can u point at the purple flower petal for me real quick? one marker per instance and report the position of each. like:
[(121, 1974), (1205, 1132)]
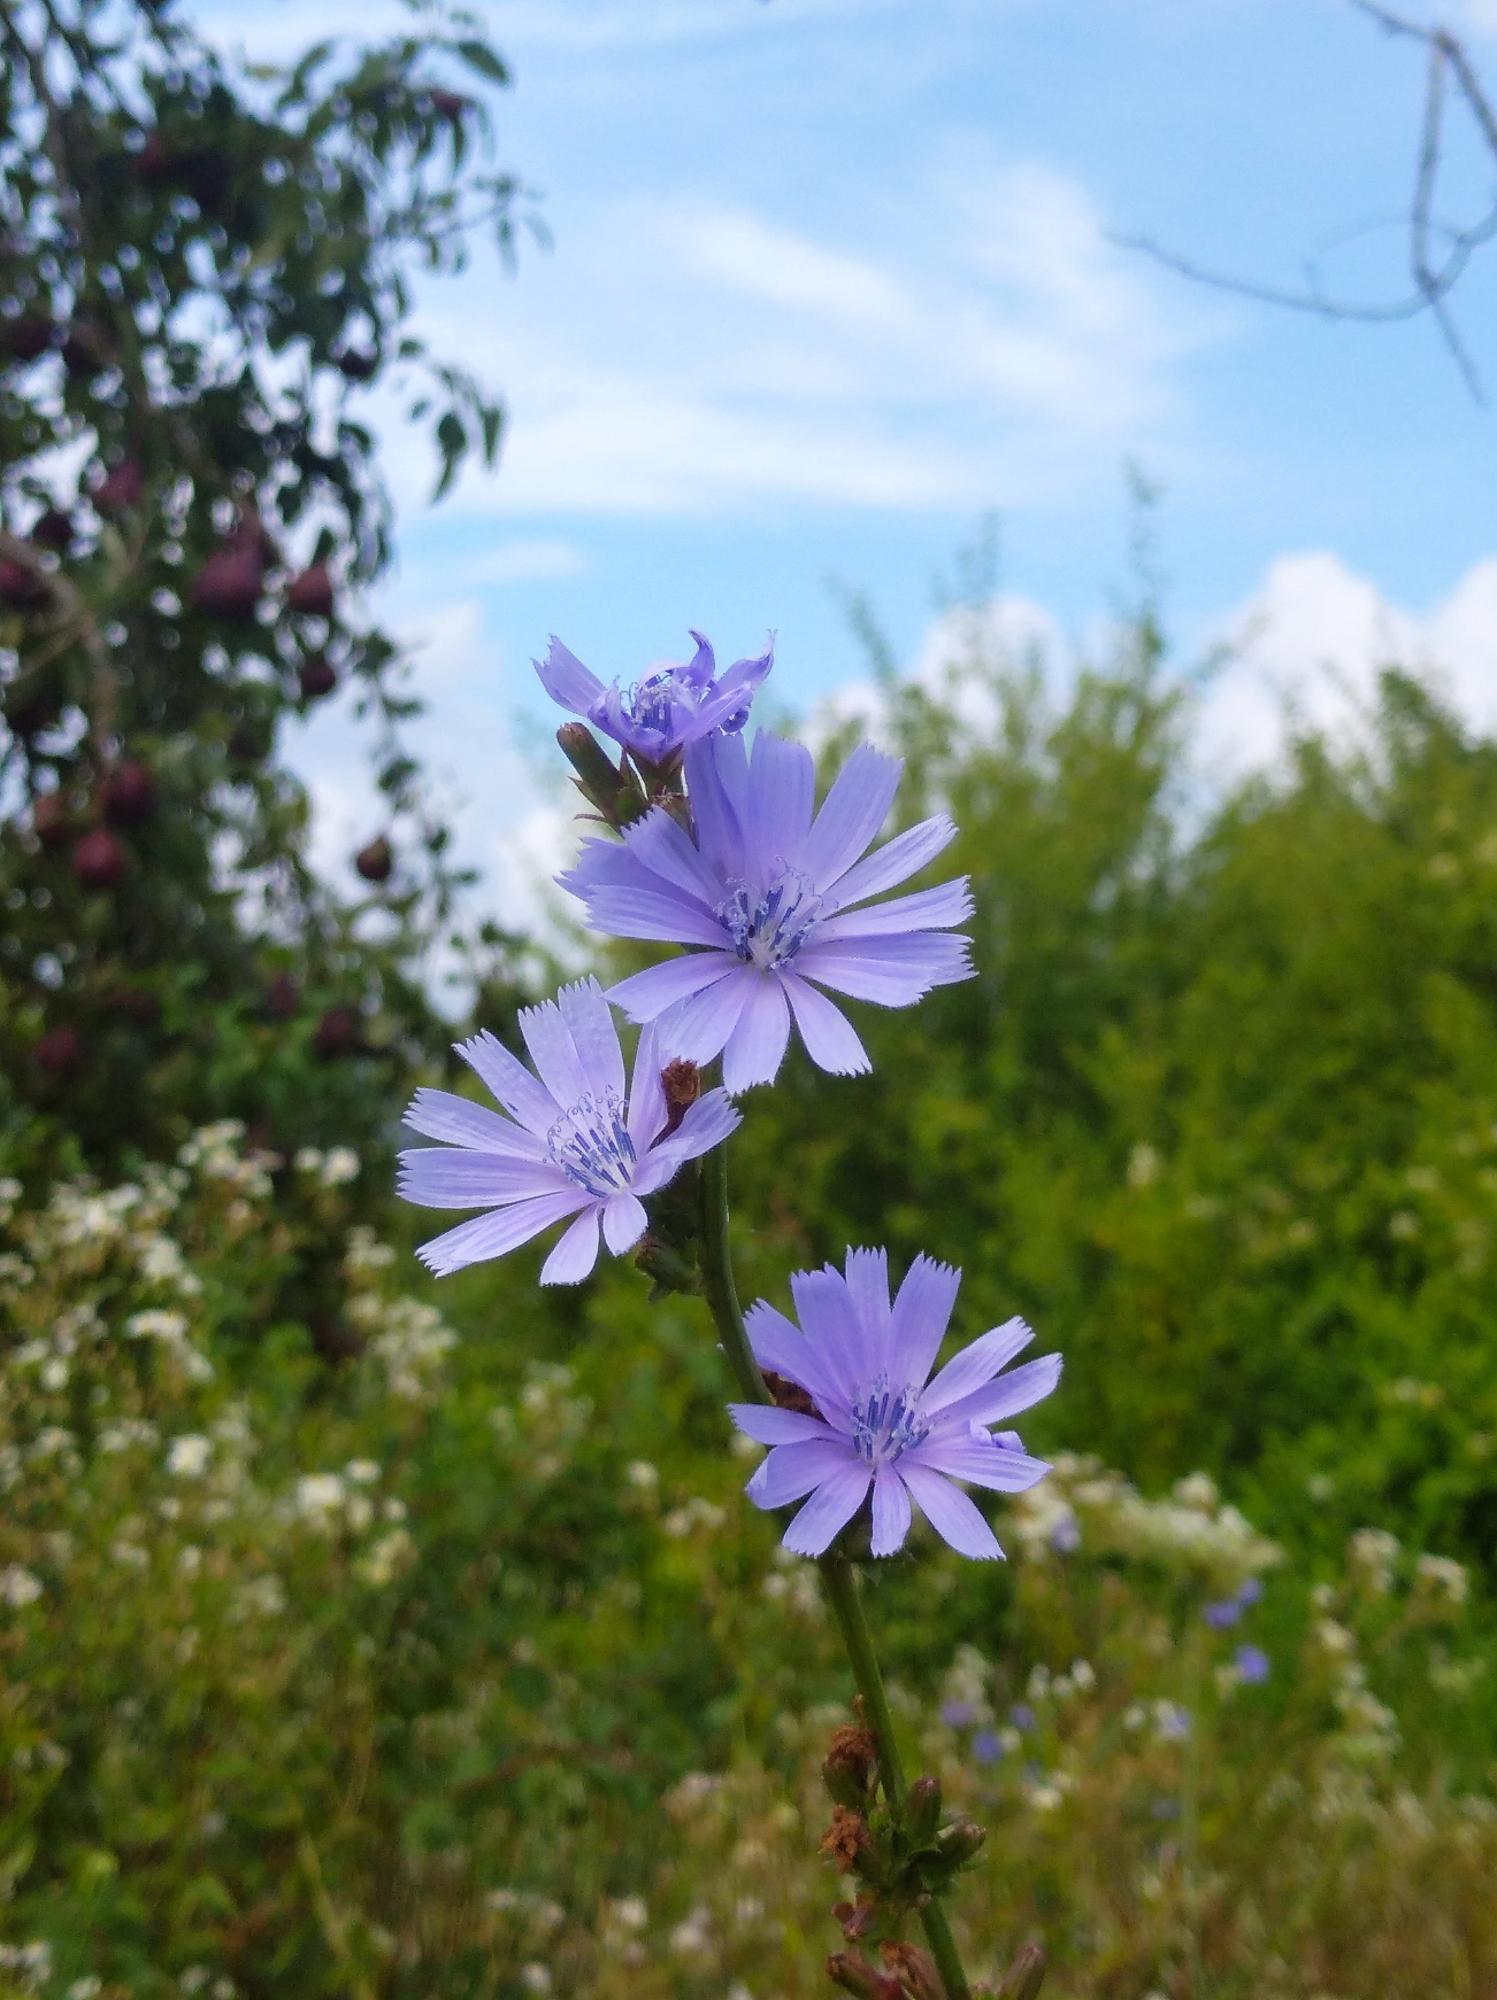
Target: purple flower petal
[(455, 1177), (1009, 1394), (766, 1424), (595, 1036), (780, 1347), (703, 1024), (898, 859), (922, 1312), (782, 778), (891, 971), (659, 843), (828, 1510), (511, 1083), (791, 1471), (566, 680), (830, 1039), (645, 996), (979, 1461), (976, 1365), (706, 1124), (756, 1046), (499, 1231), (554, 1053), (950, 1513), (717, 781), (442, 1114), (851, 814), (624, 1221), (664, 915), (927, 909), (576, 1251), (891, 1512)]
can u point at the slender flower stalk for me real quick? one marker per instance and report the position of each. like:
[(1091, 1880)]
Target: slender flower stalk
[(839, 1579)]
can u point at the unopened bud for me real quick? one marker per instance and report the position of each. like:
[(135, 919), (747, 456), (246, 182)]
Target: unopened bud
[(922, 1810), (960, 1839), (856, 1919), (849, 1766), (602, 783), (856, 1975), (1025, 1976), (915, 1969)]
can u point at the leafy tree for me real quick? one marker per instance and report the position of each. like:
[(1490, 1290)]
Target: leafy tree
[(205, 277)]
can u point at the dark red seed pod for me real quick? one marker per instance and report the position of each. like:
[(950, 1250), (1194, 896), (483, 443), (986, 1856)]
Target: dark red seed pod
[(316, 676), (27, 336), (99, 860), (58, 1051), (53, 530), (84, 350), (229, 583), (21, 586), (450, 104), (337, 1033), (51, 820), (358, 364), (120, 488), (280, 997), (129, 793), (375, 861), (310, 595)]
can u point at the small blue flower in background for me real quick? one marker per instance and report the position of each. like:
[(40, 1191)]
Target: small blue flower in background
[(959, 1715), (878, 1422), (673, 704), (771, 892), (573, 1144), (1224, 1614), (1253, 1665), (986, 1747), (1021, 1715), (1172, 1722)]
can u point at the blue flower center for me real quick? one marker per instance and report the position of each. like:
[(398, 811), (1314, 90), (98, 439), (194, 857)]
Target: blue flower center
[(887, 1423), (651, 703), (591, 1145), (769, 929)]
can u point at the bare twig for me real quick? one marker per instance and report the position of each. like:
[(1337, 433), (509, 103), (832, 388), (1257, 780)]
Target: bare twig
[(1438, 253)]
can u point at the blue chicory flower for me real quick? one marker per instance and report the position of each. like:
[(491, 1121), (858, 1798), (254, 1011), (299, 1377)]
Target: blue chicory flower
[(987, 1748), (772, 895), (1220, 1616), (1253, 1665), (573, 1144), (1173, 1722), (959, 1715), (673, 704), (879, 1422), (1021, 1715)]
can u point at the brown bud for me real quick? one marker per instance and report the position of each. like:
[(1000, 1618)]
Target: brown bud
[(129, 793), (99, 860), (27, 336), (1025, 1976), (337, 1033), (230, 581), (789, 1395), (58, 1051), (21, 585), (120, 488), (682, 1083), (856, 1975), (375, 861), (53, 530), (915, 1970), (856, 1919), (310, 595), (849, 1766), (846, 1838), (358, 364), (280, 997), (51, 821), (316, 676)]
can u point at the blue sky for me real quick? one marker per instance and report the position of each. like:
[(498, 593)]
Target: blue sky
[(832, 279)]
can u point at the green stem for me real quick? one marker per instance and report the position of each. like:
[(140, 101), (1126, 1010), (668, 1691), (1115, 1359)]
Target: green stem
[(839, 1579)]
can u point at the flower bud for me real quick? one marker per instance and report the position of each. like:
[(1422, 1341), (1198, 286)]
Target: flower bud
[(605, 785), (915, 1970), (682, 1083), (856, 1919), (1025, 1976), (922, 1810), (856, 1975), (849, 1766), (960, 1839), (846, 1838)]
